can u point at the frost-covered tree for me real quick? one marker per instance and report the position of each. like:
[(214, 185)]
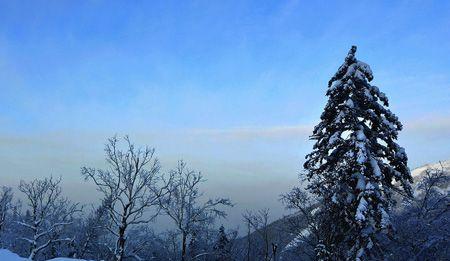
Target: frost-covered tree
[(92, 235), (422, 223), (48, 213), (129, 186), (182, 203), (259, 222), (305, 224), (6, 196), (356, 164)]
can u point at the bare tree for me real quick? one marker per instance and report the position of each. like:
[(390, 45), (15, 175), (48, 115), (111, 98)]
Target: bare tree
[(6, 196), (130, 185), (89, 243), (259, 221), (422, 231), (182, 205), (49, 212), (305, 221), (249, 241)]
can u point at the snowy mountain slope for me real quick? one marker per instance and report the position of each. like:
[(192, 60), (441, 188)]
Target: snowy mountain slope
[(420, 171)]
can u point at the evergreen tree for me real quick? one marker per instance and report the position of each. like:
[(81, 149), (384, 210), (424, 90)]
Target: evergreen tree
[(356, 163), (222, 246)]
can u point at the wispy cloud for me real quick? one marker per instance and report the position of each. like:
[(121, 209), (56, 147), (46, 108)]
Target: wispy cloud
[(431, 125), (422, 126), (247, 133)]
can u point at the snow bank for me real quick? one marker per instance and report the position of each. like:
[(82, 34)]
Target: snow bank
[(65, 259), (6, 255)]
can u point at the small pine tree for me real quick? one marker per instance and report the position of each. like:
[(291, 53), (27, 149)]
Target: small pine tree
[(356, 162), (222, 246)]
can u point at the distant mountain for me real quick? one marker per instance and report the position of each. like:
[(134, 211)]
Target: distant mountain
[(419, 172), (281, 234)]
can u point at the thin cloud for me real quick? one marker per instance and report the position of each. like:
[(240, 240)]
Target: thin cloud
[(426, 126), (247, 133)]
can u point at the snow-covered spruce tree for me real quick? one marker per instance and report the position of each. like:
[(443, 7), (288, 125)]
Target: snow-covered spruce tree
[(356, 163), (222, 246)]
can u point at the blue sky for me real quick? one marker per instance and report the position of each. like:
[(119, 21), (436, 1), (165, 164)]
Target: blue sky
[(234, 87)]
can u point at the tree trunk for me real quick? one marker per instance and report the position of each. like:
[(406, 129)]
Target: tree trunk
[(183, 247), (32, 254), (248, 242), (33, 248), (120, 251)]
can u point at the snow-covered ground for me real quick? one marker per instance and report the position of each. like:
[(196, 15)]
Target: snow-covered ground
[(65, 259), (6, 255)]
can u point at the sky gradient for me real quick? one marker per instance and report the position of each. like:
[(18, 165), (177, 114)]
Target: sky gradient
[(232, 87)]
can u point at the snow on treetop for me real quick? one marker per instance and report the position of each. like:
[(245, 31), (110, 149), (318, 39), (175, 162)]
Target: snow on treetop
[(352, 68)]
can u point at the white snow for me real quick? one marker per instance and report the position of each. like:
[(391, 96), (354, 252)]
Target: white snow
[(350, 71), (298, 239), (334, 138), (365, 68), (339, 118), (385, 220), (388, 123), (360, 211), (375, 167), (368, 95), (6, 255), (334, 198), (335, 84), (361, 185), (314, 211), (66, 259), (370, 187), (359, 70), (361, 153), (360, 75), (349, 103), (360, 135), (420, 171)]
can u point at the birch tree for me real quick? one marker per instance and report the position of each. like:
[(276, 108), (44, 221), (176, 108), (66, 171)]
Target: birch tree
[(259, 222), (129, 186), (182, 203), (48, 213), (422, 224)]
